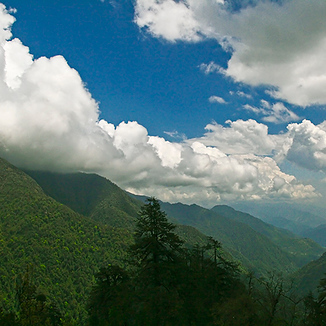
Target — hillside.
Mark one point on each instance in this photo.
(318, 234)
(303, 249)
(66, 249)
(257, 245)
(253, 249)
(90, 195)
(297, 219)
(249, 247)
(307, 278)
(101, 200)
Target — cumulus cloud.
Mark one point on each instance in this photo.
(276, 43)
(308, 145)
(274, 113)
(169, 19)
(241, 137)
(49, 121)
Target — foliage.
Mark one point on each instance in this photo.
(170, 285)
(316, 308)
(90, 195)
(164, 282)
(301, 250)
(109, 301)
(306, 278)
(249, 241)
(65, 248)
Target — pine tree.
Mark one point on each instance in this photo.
(157, 253)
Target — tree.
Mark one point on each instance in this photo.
(209, 281)
(8, 319)
(157, 253)
(317, 307)
(110, 298)
(35, 309)
(156, 246)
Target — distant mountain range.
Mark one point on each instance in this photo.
(257, 245)
(69, 225)
(307, 221)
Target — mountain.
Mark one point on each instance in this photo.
(253, 249)
(304, 249)
(65, 248)
(257, 245)
(90, 195)
(307, 278)
(296, 218)
(318, 234)
(102, 201)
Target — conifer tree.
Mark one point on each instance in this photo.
(156, 246)
(157, 253)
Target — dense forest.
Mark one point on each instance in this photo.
(163, 283)
(112, 260)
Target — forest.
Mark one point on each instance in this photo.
(163, 282)
(76, 250)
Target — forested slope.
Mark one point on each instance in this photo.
(257, 245)
(102, 201)
(90, 195)
(65, 249)
(307, 278)
(303, 249)
(253, 249)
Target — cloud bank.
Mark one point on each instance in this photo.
(281, 44)
(49, 121)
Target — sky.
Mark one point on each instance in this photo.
(197, 101)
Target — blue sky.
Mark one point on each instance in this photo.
(215, 93)
(133, 75)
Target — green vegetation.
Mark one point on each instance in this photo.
(90, 195)
(65, 248)
(307, 277)
(302, 250)
(169, 285)
(318, 234)
(166, 284)
(76, 251)
(255, 244)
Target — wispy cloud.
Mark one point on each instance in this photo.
(211, 67)
(274, 113)
(241, 94)
(217, 99)
(176, 135)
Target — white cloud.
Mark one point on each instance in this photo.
(281, 44)
(217, 99)
(49, 121)
(241, 137)
(276, 113)
(308, 145)
(212, 67)
(169, 19)
(241, 94)
(18, 60)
